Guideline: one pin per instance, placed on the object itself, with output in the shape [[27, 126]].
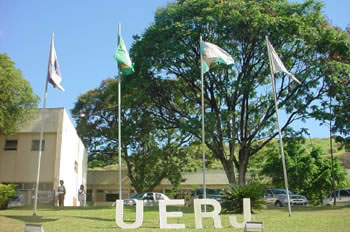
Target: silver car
[[149, 198], [215, 194], [278, 197], [342, 197]]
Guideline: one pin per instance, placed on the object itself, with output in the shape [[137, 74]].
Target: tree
[[151, 150], [239, 106], [335, 105], [18, 103], [309, 173], [6, 192]]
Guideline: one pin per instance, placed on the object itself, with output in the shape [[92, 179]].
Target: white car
[[342, 197], [278, 197], [149, 198]]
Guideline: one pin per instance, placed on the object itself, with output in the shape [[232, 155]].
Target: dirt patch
[[345, 159]]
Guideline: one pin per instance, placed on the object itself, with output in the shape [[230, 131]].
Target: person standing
[[82, 196], [61, 190]]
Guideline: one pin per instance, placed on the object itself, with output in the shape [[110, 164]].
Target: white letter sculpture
[[163, 214], [199, 215], [119, 217], [247, 216]]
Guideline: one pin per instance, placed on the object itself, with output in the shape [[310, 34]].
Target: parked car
[[149, 198], [210, 194], [15, 201], [278, 197], [342, 197]]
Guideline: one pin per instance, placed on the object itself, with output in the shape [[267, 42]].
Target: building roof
[[52, 121], [111, 177], [106, 177], [212, 177]]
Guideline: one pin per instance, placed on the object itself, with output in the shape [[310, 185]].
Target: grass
[[324, 144], [308, 219]]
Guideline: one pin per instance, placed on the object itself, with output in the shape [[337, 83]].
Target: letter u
[[119, 217]]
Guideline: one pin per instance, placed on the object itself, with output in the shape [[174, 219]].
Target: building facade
[[103, 185], [64, 157]]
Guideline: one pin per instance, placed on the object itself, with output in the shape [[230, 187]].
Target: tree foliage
[[309, 173], [18, 102], [235, 194], [6, 192], [151, 150], [240, 112]]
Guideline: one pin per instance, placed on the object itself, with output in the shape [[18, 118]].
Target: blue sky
[[86, 39]]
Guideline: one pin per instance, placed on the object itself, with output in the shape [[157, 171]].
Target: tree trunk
[[242, 173], [243, 164], [229, 170]]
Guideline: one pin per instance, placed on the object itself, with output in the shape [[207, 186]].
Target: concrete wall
[[73, 160], [21, 166]]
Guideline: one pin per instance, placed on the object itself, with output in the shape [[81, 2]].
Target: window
[[36, 145], [268, 192], [89, 195], [28, 186], [149, 197], [11, 145], [111, 197], [45, 186], [76, 166], [344, 193], [331, 195], [159, 196]]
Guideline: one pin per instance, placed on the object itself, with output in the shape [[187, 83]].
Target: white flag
[[54, 73], [276, 63]]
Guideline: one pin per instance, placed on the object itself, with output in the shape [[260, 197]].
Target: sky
[[86, 39]]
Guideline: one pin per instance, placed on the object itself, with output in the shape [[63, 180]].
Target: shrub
[[234, 194], [6, 192]]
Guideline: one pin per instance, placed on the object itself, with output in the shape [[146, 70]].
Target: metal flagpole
[[41, 140], [279, 129], [119, 125], [203, 131], [331, 146]]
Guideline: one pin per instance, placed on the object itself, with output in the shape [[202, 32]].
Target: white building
[[64, 157]]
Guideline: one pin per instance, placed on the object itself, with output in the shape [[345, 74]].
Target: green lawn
[[310, 219]]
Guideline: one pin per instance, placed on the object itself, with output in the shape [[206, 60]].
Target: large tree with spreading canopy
[[151, 150], [240, 113]]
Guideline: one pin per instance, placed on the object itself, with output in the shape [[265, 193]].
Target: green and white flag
[[211, 52], [123, 58]]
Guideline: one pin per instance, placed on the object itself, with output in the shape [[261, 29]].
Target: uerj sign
[[198, 214]]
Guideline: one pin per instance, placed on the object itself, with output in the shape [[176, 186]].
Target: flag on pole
[[276, 63], [211, 52], [123, 59], [54, 73]]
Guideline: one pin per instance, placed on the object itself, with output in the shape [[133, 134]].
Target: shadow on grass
[[156, 209], [130, 221], [320, 208], [30, 219], [95, 218], [56, 208], [307, 208]]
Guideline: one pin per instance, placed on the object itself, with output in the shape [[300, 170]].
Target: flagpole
[[119, 124], [279, 130], [203, 127], [41, 140]]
